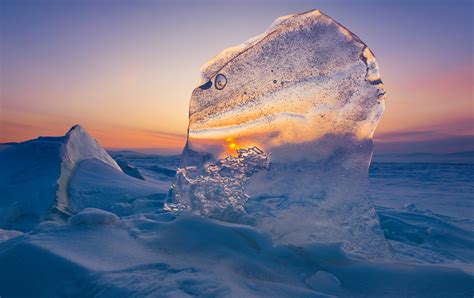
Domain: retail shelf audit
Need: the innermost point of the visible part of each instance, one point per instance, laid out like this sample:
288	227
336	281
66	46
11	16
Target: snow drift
36	178
157	255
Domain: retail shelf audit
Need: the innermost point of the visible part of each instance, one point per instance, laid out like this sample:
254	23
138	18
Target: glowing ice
280	136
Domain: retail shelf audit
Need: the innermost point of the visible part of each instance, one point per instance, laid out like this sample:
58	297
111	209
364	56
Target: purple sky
125	69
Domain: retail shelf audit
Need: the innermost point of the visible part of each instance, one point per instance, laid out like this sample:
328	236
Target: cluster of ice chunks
307	92
218	191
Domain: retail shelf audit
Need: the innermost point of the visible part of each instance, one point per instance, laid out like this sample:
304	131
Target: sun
231	143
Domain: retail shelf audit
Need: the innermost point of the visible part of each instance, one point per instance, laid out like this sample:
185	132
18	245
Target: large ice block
280	136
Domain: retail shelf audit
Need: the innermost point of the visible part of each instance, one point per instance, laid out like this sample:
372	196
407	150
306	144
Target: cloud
164	134
437	145
406	135
463	127
15	125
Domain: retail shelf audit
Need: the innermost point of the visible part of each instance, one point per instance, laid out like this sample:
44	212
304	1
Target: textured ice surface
307	96
35	175
93	216
159	256
219	191
55	177
78	146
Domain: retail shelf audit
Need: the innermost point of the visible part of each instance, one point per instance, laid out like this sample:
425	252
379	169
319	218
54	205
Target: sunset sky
125	69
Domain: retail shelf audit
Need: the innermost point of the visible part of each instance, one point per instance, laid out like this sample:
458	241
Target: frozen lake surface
132	247
443	188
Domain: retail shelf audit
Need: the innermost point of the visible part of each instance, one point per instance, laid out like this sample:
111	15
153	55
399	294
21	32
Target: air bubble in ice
221	81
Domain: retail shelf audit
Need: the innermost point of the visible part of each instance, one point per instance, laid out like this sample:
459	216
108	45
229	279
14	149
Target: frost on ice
218	190
280	136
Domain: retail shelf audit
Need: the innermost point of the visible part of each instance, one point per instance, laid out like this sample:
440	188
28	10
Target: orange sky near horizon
126	72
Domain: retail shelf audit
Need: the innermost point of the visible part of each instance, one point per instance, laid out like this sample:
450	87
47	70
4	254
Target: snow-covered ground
119	242
151	167
51	178
159	255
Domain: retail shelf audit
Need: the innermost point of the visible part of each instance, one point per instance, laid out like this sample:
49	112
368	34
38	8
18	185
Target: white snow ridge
78	145
39	179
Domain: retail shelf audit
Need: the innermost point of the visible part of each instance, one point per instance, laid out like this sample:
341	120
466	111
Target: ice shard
280	136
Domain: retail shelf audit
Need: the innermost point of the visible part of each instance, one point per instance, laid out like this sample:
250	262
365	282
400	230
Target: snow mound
93	216
428	237
36	175
325	282
28	182
8	234
98	185
162	256
78	146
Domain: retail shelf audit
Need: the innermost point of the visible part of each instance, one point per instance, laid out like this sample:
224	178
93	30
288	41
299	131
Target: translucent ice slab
280	136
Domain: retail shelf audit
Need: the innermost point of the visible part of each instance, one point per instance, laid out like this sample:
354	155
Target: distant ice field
446	189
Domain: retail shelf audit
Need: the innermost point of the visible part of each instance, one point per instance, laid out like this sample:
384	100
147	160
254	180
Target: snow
78	146
28	182
132	247
98	185
395	185
307	96
93	216
8	234
421	236
159	255
325	282
51	178
153	168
